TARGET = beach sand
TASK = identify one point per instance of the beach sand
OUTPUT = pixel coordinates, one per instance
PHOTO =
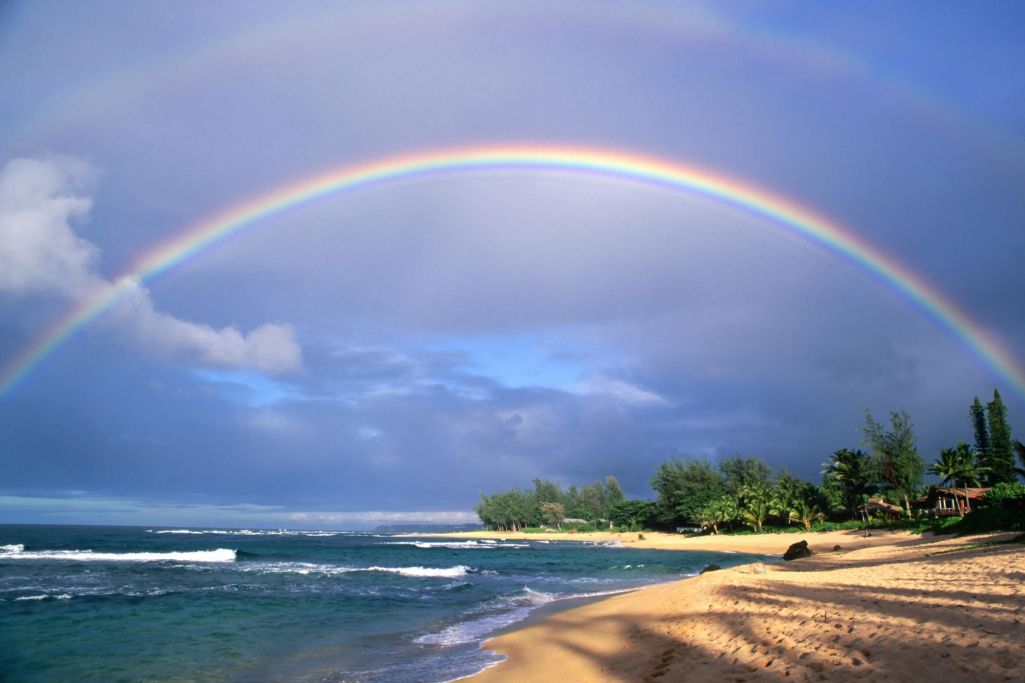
(890, 607)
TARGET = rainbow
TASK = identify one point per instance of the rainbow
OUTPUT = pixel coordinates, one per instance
(629, 166)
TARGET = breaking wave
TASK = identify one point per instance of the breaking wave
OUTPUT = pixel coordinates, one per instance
(19, 553)
(455, 572)
(245, 532)
(499, 613)
(460, 545)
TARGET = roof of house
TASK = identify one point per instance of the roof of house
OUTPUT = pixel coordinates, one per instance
(880, 504)
(973, 493)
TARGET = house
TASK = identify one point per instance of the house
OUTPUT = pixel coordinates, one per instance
(880, 506)
(947, 502)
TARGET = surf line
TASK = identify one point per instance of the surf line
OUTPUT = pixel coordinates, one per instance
(772, 208)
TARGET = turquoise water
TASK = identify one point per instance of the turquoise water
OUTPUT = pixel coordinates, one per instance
(129, 604)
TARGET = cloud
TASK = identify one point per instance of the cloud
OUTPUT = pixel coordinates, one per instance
(619, 390)
(39, 200)
(41, 253)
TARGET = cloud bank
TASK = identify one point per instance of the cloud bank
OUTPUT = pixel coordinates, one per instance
(43, 256)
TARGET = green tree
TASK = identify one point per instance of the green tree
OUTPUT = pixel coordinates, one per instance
(633, 514)
(739, 472)
(958, 466)
(547, 491)
(896, 454)
(807, 513)
(1019, 447)
(613, 493)
(573, 502)
(592, 502)
(684, 487)
(508, 510)
(851, 472)
(999, 461)
(553, 514)
(787, 492)
(977, 416)
(756, 505)
(722, 510)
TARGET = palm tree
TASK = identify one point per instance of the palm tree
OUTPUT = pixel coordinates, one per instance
(722, 510)
(958, 466)
(757, 506)
(806, 513)
(853, 470)
(786, 492)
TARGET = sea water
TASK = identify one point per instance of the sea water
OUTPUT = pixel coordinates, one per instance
(82, 603)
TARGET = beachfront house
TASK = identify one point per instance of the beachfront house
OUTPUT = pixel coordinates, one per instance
(947, 502)
(878, 506)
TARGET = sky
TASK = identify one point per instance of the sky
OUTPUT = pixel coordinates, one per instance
(386, 354)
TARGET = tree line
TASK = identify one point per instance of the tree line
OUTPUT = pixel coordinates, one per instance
(745, 491)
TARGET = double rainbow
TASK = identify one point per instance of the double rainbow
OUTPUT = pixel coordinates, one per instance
(634, 167)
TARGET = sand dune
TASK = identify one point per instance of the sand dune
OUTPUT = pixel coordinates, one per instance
(893, 607)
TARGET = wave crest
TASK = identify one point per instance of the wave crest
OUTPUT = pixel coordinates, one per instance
(218, 555)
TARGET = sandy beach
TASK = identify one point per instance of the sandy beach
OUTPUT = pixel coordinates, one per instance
(890, 607)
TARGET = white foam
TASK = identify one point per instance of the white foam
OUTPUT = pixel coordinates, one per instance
(511, 609)
(218, 555)
(607, 544)
(61, 596)
(176, 531)
(460, 545)
(14, 548)
(424, 572)
(455, 572)
(453, 545)
(246, 532)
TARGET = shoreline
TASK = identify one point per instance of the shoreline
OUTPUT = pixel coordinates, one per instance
(893, 605)
(772, 544)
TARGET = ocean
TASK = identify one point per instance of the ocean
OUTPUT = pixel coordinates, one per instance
(81, 603)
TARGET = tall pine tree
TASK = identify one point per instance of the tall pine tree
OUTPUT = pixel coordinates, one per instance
(977, 415)
(1000, 458)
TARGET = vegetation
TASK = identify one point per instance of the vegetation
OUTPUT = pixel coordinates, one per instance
(684, 488)
(896, 454)
(958, 466)
(1003, 509)
(547, 503)
(999, 457)
(853, 474)
(741, 494)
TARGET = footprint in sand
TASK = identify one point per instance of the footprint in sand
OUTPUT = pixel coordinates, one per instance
(662, 663)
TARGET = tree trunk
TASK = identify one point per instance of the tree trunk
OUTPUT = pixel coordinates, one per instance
(907, 506)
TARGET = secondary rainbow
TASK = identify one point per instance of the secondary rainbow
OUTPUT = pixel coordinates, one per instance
(627, 166)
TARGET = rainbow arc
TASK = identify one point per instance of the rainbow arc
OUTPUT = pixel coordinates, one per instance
(774, 209)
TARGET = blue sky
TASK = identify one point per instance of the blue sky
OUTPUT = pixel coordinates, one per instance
(387, 355)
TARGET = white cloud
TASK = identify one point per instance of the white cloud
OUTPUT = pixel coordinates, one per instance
(41, 254)
(619, 390)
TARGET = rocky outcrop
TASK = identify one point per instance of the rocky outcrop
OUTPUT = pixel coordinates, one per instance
(797, 551)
